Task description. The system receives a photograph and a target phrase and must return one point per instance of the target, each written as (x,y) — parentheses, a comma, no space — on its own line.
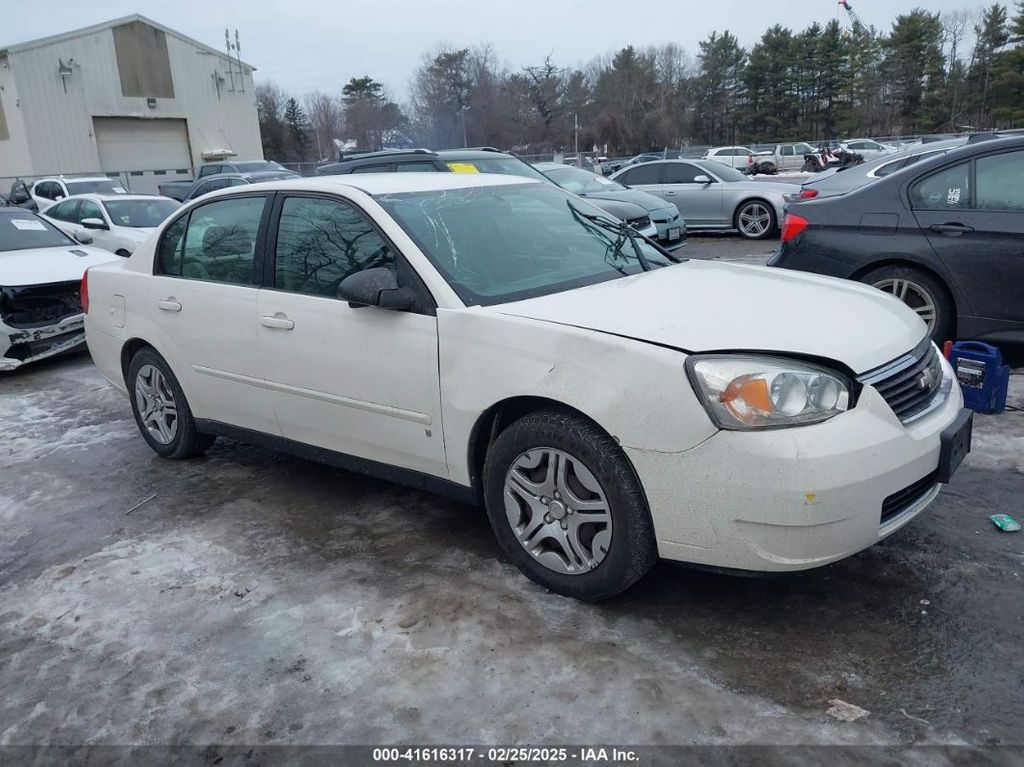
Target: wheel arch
(129,349)
(496,418)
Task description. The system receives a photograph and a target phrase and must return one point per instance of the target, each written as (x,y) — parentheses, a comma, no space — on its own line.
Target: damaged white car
(502,340)
(41,270)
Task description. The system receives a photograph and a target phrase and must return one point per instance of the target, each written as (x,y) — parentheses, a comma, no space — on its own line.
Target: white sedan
(867,148)
(118,223)
(41,272)
(606,402)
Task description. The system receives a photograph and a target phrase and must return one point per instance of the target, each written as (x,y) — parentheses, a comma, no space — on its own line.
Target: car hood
(624,211)
(699,306)
(41,266)
(645,200)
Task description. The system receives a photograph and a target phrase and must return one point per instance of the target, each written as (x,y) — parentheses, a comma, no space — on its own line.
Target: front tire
(567,507)
(161,411)
(755,219)
(920,291)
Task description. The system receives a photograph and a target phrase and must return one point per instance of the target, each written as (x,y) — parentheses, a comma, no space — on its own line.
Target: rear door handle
(951,230)
(170,305)
(278,322)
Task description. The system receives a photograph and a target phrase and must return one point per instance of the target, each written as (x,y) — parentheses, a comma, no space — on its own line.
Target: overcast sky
(304,45)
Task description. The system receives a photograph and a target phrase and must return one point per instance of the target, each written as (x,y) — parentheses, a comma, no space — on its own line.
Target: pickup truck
(784,157)
(178,190)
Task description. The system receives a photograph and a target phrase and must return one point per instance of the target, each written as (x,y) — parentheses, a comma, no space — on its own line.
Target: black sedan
(945,235)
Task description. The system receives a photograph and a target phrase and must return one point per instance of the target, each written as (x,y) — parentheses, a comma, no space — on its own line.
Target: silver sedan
(712,196)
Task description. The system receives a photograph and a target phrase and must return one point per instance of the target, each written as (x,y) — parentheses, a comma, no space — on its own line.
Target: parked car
(866,148)
(117,223)
(225,180)
(46,191)
(944,235)
(179,190)
(712,196)
(487,160)
(836,181)
(784,157)
(41,271)
(736,157)
(501,364)
(477,160)
(671,228)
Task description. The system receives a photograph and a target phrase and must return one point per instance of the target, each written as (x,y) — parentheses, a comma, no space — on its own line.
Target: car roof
(66,179)
(542,166)
(396,183)
(106,197)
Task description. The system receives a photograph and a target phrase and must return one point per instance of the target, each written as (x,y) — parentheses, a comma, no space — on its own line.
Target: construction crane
(853,14)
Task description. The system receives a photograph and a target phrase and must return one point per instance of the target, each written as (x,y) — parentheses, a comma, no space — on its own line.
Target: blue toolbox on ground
(983,377)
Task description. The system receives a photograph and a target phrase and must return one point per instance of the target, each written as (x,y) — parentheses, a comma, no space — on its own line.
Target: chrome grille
(913,384)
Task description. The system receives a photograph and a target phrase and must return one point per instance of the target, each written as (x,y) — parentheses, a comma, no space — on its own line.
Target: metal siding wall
(14,159)
(60,125)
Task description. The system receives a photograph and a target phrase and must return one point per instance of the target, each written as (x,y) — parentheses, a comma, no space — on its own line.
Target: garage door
(145,152)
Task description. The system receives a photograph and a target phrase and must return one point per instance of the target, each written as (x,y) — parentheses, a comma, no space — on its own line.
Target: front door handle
(170,304)
(951,230)
(277,322)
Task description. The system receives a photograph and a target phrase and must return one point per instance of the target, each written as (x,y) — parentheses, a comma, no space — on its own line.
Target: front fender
(636,391)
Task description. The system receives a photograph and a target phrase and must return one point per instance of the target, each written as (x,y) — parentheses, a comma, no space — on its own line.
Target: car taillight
(750,159)
(84,292)
(792,225)
(808,194)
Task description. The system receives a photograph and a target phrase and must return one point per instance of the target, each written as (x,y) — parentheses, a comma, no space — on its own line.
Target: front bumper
(794,499)
(21,345)
(665,224)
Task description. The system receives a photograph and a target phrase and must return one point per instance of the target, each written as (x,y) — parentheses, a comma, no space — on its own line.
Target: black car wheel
(566,506)
(921,292)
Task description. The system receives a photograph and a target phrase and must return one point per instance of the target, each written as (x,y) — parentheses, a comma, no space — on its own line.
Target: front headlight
(743,392)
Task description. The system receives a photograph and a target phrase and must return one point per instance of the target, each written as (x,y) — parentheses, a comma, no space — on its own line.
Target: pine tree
(1008,76)
(992,35)
(298,129)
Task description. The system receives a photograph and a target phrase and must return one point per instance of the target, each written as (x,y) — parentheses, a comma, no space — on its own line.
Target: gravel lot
(259,599)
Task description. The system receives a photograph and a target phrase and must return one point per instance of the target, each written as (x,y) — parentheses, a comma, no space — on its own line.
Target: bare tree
(325,118)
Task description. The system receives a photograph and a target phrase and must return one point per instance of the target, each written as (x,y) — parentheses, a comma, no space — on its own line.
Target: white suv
(46,191)
(499,339)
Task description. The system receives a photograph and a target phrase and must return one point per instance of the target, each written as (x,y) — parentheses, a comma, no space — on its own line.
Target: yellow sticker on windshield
(463,167)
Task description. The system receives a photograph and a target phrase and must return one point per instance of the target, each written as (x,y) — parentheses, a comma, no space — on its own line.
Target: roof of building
(29,44)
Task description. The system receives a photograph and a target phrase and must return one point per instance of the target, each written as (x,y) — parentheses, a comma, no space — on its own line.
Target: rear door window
(948,189)
(220,242)
(649,173)
(64,211)
(999,181)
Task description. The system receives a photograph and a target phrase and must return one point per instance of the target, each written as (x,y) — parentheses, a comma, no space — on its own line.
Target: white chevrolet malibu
(503,341)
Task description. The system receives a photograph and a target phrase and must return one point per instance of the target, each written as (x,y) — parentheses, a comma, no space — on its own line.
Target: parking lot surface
(248,597)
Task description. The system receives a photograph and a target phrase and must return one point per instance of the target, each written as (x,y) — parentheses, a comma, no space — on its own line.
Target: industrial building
(128,97)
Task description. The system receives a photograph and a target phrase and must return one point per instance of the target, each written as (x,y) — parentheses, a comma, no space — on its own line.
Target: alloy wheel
(558,511)
(913,295)
(755,219)
(155,401)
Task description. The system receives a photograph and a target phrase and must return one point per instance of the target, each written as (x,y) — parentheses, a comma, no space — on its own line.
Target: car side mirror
(19,193)
(94,223)
(702,179)
(83,237)
(375,287)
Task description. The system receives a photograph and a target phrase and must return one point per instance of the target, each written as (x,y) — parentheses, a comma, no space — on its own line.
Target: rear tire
(567,507)
(755,219)
(161,411)
(920,291)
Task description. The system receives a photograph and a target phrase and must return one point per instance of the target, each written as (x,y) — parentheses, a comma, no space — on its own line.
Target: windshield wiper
(620,228)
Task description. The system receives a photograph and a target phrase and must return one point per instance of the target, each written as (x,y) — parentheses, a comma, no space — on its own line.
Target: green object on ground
(1005,522)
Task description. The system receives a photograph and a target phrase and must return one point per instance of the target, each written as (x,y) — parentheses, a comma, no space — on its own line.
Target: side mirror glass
(375,287)
(83,237)
(702,179)
(94,223)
